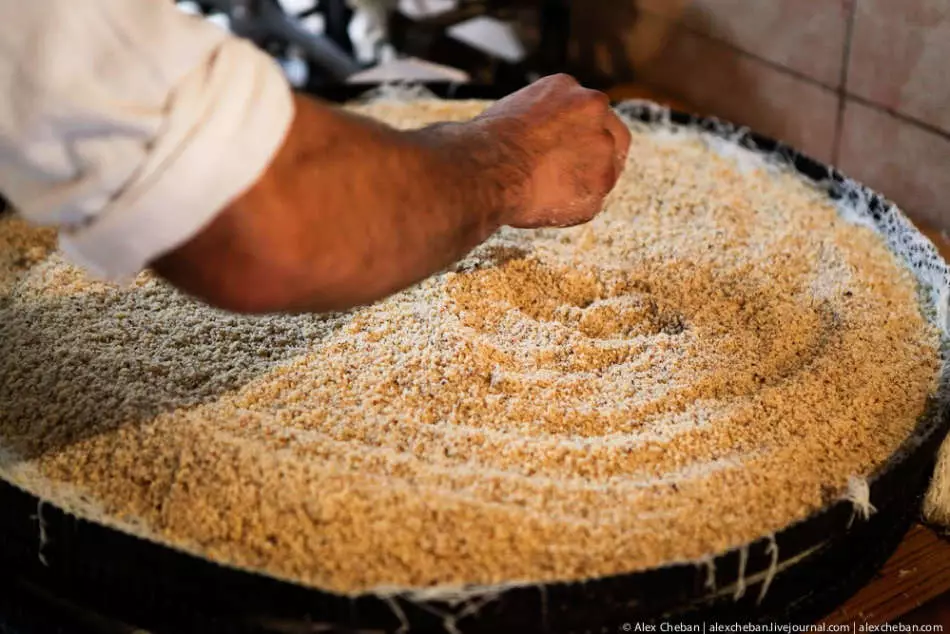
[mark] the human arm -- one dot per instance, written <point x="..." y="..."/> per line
<point x="148" y="137"/>
<point x="350" y="210"/>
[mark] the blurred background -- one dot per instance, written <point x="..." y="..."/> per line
<point x="862" y="84"/>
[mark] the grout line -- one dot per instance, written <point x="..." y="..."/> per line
<point x="841" y="90"/>
<point x="843" y="82"/>
<point x="917" y="123"/>
<point x="677" y="24"/>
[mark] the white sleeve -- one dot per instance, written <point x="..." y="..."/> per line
<point x="129" y="125"/>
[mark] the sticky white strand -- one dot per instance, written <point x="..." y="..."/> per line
<point x="741" y="583"/>
<point x="859" y="494"/>
<point x="710" y="564"/>
<point x="43" y="536"/>
<point x="772" y="550"/>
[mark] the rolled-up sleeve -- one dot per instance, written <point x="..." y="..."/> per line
<point x="129" y="125"/>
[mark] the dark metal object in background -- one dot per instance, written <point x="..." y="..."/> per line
<point x="545" y="25"/>
<point x="265" y="22"/>
<point x="337" y="16"/>
<point x="330" y="54"/>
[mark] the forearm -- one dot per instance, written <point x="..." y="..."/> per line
<point x="348" y="212"/>
<point x="351" y="211"/>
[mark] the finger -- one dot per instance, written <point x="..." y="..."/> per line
<point x="571" y="215"/>
<point x="554" y="84"/>
<point x="584" y="214"/>
<point x="560" y="78"/>
<point x="590" y="106"/>
<point x="622" y="139"/>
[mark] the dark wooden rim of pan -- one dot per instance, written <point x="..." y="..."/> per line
<point x="86" y="577"/>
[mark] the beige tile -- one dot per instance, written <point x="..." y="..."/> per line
<point x="906" y="163"/>
<point x="718" y="80"/>
<point x="900" y="57"/>
<point x="807" y="36"/>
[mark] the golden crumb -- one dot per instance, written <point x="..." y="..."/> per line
<point x="708" y="361"/>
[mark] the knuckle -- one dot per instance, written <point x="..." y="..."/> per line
<point x="627" y="141"/>
<point x="559" y="81"/>
<point x="621" y="127"/>
<point x="598" y="97"/>
<point x="595" y="98"/>
<point x="606" y="144"/>
<point x="563" y="78"/>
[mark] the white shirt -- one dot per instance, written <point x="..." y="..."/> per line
<point x="129" y="125"/>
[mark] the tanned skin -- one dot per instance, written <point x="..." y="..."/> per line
<point x="351" y="211"/>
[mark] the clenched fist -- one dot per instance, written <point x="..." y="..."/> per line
<point x="568" y="144"/>
<point x="351" y="210"/>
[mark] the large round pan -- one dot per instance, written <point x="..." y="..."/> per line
<point x="63" y="573"/>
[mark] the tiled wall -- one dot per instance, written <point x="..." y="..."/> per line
<point x="864" y="84"/>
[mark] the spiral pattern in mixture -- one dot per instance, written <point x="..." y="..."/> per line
<point x="709" y="360"/>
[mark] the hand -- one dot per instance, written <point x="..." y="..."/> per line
<point x="571" y="146"/>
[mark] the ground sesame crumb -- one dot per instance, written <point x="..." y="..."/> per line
<point x="709" y="360"/>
